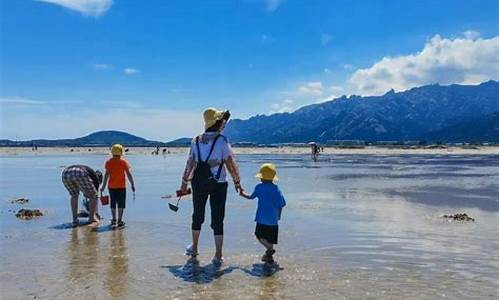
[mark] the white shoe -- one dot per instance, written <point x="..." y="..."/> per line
<point x="190" y="252"/>
<point x="217" y="261"/>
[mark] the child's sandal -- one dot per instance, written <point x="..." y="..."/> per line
<point x="268" y="257"/>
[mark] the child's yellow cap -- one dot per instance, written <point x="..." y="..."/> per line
<point x="117" y="149"/>
<point x="267" y="172"/>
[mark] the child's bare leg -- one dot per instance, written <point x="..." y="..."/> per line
<point x="113" y="213"/>
<point x="120" y="214"/>
<point x="265" y="243"/>
<point x="268" y="256"/>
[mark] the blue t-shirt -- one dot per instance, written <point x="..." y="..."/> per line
<point x="271" y="201"/>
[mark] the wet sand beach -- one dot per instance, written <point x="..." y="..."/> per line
<point x="359" y="224"/>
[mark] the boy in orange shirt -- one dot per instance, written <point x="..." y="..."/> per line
<point x="116" y="168"/>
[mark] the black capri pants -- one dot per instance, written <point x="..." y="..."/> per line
<point x="217" y="207"/>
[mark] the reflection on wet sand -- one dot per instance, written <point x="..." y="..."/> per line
<point x="270" y="288"/>
<point x="83" y="254"/>
<point x="117" y="266"/>
<point x="97" y="264"/>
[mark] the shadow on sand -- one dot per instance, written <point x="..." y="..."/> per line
<point x="193" y="272"/>
<point x="262" y="269"/>
<point x="68" y="226"/>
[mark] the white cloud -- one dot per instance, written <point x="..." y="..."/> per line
<point x="471" y="34"/>
<point x="325" y="39"/>
<point x="313" y="88"/>
<point x="101" y="66"/>
<point x="19" y="100"/>
<point x="272" y="5"/>
<point x="130" y="71"/>
<point x="337" y="88"/>
<point x="334" y="91"/>
<point x="283" y="106"/>
<point x="94" y="8"/>
<point x="464" y="60"/>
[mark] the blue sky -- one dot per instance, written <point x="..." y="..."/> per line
<point x="69" y="67"/>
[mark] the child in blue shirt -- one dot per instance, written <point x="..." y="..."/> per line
<point x="271" y="202"/>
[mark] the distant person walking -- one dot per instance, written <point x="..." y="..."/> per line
<point x="116" y="169"/>
<point x="314" y="150"/>
<point x="208" y="159"/>
<point x="80" y="178"/>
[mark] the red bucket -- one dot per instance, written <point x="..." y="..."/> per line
<point x="104" y="200"/>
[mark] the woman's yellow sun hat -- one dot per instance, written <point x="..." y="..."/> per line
<point x="267" y="172"/>
<point x="211" y="116"/>
<point x="117" y="149"/>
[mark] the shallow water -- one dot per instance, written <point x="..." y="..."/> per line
<point x="356" y="226"/>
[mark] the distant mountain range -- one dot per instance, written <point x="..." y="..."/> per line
<point x="433" y="113"/>
<point x="96" y="139"/>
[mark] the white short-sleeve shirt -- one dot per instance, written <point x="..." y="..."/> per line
<point x="222" y="151"/>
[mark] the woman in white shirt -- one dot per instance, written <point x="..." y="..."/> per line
<point x="209" y="157"/>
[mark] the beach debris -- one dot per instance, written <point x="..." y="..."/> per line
<point x="28" y="214"/>
<point x="459" y="217"/>
<point x="20" y="201"/>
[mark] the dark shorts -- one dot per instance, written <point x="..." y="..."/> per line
<point x="267" y="232"/>
<point x="117" y="197"/>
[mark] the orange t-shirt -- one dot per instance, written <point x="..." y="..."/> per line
<point x="116" y="168"/>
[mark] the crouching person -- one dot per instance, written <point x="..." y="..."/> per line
<point x="80" y="178"/>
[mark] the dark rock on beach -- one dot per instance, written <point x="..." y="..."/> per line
<point x="459" y="217"/>
<point x="28" y="214"/>
<point x="20" y="201"/>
